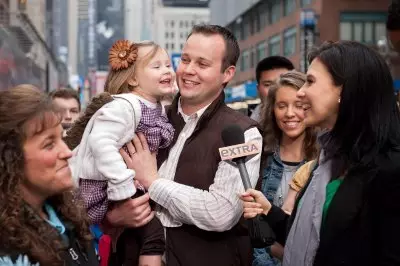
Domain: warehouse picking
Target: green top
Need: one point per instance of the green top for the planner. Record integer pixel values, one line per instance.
(331, 189)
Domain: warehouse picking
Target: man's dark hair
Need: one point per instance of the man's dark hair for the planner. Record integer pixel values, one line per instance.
(232, 50)
(272, 62)
(66, 94)
(393, 19)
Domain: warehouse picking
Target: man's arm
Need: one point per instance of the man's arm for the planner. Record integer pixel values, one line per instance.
(218, 209)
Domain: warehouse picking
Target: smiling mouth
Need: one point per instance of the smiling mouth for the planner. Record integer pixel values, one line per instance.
(62, 168)
(292, 123)
(166, 81)
(189, 82)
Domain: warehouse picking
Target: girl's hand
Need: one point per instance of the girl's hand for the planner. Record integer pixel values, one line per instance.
(254, 202)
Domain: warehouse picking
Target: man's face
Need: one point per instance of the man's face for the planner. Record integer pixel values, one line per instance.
(199, 74)
(268, 78)
(70, 110)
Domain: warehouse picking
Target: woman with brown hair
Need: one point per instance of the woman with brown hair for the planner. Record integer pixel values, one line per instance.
(288, 144)
(41, 222)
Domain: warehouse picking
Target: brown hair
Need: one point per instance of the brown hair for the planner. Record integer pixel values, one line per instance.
(117, 80)
(232, 50)
(272, 134)
(22, 231)
(66, 94)
(75, 133)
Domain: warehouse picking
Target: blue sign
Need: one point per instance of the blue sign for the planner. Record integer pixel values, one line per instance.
(396, 85)
(176, 59)
(242, 92)
(307, 18)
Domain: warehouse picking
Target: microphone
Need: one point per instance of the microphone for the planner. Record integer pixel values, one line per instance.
(261, 234)
(237, 150)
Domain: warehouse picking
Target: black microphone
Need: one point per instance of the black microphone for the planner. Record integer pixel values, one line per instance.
(260, 232)
(233, 135)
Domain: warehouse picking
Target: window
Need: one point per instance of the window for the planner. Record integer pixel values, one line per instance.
(181, 46)
(172, 35)
(264, 15)
(256, 21)
(167, 46)
(252, 58)
(172, 46)
(261, 54)
(181, 24)
(172, 23)
(275, 11)
(166, 35)
(305, 2)
(274, 45)
(245, 60)
(362, 27)
(289, 41)
(246, 29)
(238, 31)
(181, 35)
(186, 24)
(288, 6)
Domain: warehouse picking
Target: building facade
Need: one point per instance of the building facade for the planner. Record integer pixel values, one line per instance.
(223, 12)
(273, 27)
(173, 21)
(25, 54)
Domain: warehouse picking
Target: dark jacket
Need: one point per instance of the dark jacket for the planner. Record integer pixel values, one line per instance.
(197, 166)
(362, 222)
(74, 253)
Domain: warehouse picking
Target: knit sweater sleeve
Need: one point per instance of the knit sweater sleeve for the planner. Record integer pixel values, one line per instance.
(109, 128)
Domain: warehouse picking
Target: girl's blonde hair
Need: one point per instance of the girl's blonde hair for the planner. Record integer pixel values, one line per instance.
(118, 80)
(121, 71)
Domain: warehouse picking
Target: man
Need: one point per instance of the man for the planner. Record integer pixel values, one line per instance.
(196, 192)
(68, 101)
(267, 71)
(393, 25)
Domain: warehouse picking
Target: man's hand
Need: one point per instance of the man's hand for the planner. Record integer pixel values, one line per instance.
(141, 160)
(130, 213)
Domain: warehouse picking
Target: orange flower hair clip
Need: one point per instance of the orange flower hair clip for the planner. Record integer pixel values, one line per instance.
(122, 54)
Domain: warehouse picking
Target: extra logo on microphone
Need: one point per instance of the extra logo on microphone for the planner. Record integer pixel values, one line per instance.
(240, 150)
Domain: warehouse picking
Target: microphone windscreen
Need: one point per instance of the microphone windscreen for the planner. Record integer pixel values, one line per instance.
(232, 135)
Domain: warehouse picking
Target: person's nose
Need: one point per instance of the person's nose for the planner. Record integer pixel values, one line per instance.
(290, 112)
(301, 93)
(67, 115)
(65, 152)
(189, 69)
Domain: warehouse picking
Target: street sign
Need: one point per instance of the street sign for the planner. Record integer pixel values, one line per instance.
(307, 18)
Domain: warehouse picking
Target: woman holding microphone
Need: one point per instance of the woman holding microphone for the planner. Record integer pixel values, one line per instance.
(349, 210)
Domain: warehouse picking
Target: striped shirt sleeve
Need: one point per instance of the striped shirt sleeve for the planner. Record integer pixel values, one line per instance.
(217, 209)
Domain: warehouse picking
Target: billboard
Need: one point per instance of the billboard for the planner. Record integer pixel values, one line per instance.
(109, 28)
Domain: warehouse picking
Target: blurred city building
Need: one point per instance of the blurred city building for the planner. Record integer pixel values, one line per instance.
(27, 52)
(291, 27)
(174, 20)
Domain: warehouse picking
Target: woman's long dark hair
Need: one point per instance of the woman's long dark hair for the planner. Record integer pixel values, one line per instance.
(21, 230)
(368, 120)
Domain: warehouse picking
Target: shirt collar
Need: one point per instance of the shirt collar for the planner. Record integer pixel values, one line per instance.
(195, 115)
(53, 219)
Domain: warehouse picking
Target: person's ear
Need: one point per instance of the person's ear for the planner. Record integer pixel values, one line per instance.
(229, 73)
(133, 82)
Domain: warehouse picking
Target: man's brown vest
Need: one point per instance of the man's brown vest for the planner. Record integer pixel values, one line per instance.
(198, 163)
